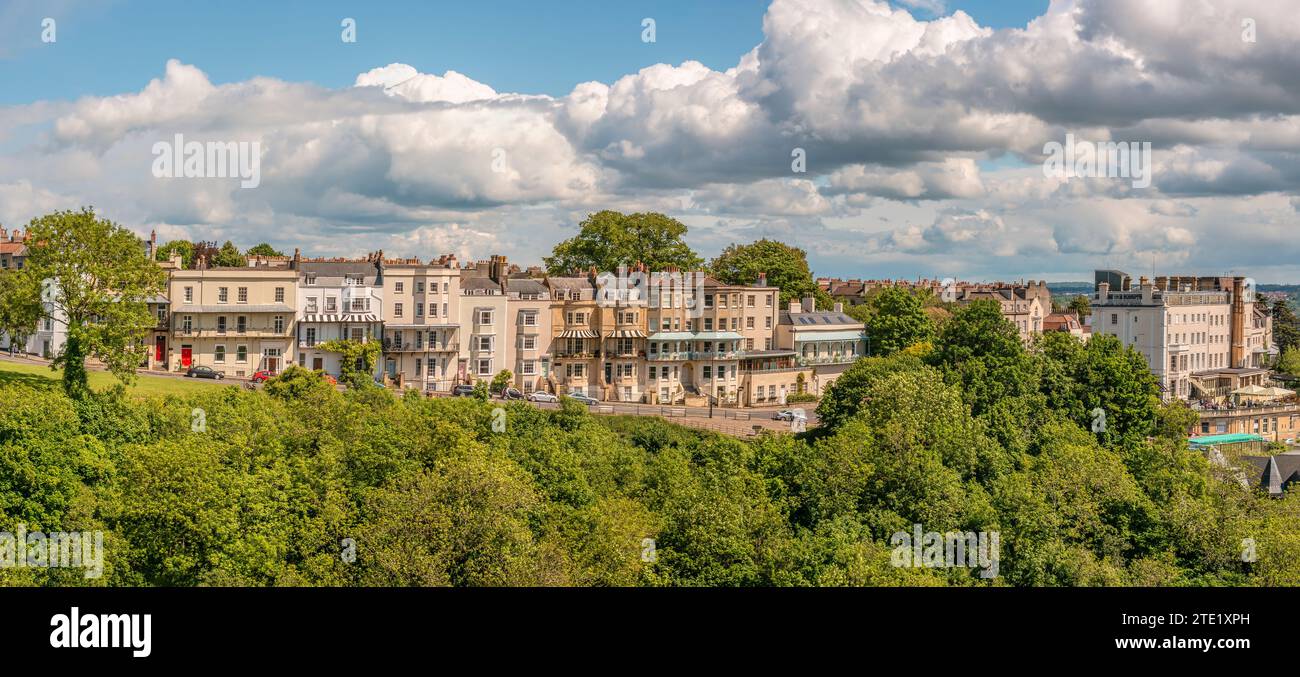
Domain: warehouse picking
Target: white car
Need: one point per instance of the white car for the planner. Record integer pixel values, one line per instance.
(539, 396)
(790, 415)
(585, 399)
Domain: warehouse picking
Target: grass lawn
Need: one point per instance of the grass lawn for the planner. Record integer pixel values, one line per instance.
(39, 374)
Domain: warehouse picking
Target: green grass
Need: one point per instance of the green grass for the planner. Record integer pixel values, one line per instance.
(41, 375)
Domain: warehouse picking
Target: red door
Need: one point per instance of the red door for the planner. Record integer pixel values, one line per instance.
(186, 353)
(159, 348)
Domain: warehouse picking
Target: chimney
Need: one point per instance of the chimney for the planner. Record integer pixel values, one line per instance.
(297, 258)
(1103, 291)
(762, 279)
(839, 307)
(3, 234)
(1237, 349)
(809, 304)
(795, 307)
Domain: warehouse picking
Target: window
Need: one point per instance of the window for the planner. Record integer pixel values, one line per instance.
(223, 294)
(311, 336)
(529, 343)
(311, 279)
(485, 367)
(529, 319)
(708, 324)
(417, 366)
(708, 300)
(1114, 318)
(419, 310)
(749, 322)
(358, 333)
(353, 280)
(768, 298)
(241, 324)
(767, 322)
(749, 344)
(221, 324)
(528, 368)
(397, 310)
(419, 287)
(708, 371)
(279, 324)
(433, 310)
(189, 294)
(419, 340)
(652, 373)
(444, 287)
(279, 294)
(360, 305)
(485, 344)
(241, 354)
(397, 287)
(331, 304)
(219, 354)
(750, 301)
(187, 323)
(485, 317)
(241, 295)
(444, 310)
(311, 304)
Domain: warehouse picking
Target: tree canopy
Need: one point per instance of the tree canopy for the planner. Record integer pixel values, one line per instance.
(609, 239)
(263, 249)
(785, 266)
(897, 320)
(93, 275)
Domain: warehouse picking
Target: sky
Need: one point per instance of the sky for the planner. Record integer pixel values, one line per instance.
(886, 139)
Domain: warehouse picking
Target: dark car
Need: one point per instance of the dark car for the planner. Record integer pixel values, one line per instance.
(203, 372)
(462, 390)
(511, 394)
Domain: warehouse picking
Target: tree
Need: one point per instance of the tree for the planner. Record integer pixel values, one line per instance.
(264, 249)
(1081, 306)
(1286, 327)
(1289, 362)
(785, 266)
(183, 247)
(229, 257)
(93, 275)
(898, 320)
(608, 239)
(357, 360)
(501, 380)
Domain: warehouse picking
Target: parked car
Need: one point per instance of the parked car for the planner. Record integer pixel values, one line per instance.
(541, 396)
(462, 390)
(585, 399)
(790, 415)
(511, 394)
(262, 375)
(203, 372)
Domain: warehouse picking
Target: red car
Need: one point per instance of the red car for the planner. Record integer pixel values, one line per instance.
(262, 375)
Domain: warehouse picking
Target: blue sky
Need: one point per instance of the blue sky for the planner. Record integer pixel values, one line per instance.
(526, 46)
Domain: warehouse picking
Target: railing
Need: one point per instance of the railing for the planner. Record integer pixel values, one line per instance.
(410, 347)
(582, 354)
(1206, 412)
(828, 359)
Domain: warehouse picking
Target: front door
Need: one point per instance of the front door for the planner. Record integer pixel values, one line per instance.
(159, 348)
(273, 364)
(317, 363)
(187, 354)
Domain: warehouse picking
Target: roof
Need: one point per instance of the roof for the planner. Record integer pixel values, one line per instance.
(580, 283)
(525, 286)
(17, 248)
(823, 318)
(338, 269)
(1276, 473)
(478, 284)
(1233, 438)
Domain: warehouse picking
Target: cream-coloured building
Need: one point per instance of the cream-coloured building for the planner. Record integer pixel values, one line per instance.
(422, 323)
(1191, 330)
(338, 299)
(236, 320)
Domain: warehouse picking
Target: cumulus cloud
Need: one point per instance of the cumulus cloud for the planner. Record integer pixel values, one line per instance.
(936, 124)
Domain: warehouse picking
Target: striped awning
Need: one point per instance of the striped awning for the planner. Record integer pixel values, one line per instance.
(578, 333)
(340, 317)
(626, 333)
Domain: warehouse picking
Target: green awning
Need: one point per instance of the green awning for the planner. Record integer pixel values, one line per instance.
(1234, 438)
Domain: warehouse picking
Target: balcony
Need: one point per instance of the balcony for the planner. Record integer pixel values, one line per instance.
(412, 347)
(827, 359)
(669, 357)
(574, 355)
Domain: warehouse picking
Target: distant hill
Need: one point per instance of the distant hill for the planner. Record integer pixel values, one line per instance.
(1069, 288)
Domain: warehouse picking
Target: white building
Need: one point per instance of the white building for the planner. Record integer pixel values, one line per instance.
(338, 300)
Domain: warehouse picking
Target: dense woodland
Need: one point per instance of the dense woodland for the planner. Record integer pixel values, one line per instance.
(963, 430)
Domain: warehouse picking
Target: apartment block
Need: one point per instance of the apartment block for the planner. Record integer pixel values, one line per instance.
(422, 323)
(236, 320)
(338, 299)
(1196, 333)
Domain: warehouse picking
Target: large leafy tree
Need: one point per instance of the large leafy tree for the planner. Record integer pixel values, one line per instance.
(264, 249)
(92, 274)
(1286, 327)
(610, 239)
(898, 320)
(183, 247)
(785, 266)
(229, 256)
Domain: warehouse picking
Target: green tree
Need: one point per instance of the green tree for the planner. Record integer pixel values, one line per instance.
(357, 360)
(1081, 306)
(229, 257)
(264, 249)
(183, 247)
(1286, 327)
(93, 275)
(608, 239)
(501, 380)
(1289, 362)
(786, 267)
(898, 321)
